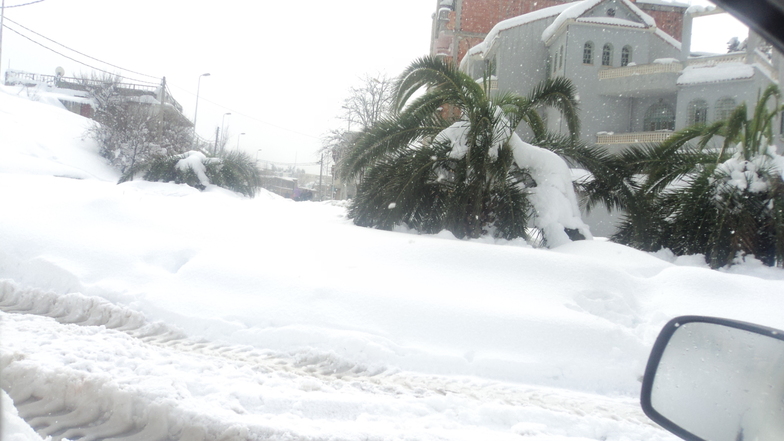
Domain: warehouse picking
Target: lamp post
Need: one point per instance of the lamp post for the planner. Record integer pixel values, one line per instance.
(257, 157)
(223, 133)
(238, 140)
(196, 112)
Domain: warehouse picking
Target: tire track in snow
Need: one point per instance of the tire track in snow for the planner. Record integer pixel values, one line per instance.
(94, 408)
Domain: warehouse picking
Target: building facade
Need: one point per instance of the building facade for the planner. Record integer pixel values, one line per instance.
(459, 25)
(636, 83)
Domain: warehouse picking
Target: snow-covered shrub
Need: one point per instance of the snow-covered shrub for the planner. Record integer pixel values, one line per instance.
(235, 171)
(130, 129)
(723, 201)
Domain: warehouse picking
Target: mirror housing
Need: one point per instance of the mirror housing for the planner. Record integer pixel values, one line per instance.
(712, 379)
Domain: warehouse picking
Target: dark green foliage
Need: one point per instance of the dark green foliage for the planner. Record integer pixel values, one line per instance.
(412, 175)
(723, 201)
(235, 171)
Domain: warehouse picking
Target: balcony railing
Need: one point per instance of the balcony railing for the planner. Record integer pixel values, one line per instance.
(632, 138)
(642, 69)
(14, 77)
(737, 57)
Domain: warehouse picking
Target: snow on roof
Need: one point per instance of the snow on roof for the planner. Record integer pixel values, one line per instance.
(664, 3)
(714, 74)
(514, 22)
(610, 21)
(579, 8)
(699, 9)
(668, 38)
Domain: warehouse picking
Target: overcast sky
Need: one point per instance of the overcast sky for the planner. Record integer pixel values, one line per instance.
(281, 68)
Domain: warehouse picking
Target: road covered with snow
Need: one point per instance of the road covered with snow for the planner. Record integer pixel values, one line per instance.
(153, 311)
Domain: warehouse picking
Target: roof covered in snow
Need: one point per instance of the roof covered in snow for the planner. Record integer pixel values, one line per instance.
(714, 74)
(665, 3)
(577, 10)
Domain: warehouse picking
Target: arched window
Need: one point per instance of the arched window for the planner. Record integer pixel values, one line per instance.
(626, 55)
(607, 55)
(698, 112)
(724, 107)
(659, 117)
(588, 53)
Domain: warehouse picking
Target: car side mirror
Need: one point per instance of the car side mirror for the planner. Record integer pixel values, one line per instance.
(711, 379)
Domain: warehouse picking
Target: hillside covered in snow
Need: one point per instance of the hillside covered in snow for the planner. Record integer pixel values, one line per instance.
(154, 311)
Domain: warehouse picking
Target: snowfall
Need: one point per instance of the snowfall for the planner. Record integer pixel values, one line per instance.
(154, 311)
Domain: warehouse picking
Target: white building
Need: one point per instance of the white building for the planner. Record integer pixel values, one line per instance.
(636, 84)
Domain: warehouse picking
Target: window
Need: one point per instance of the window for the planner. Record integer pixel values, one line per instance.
(560, 59)
(698, 112)
(724, 107)
(659, 117)
(588, 53)
(611, 12)
(607, 55)
(626, 55)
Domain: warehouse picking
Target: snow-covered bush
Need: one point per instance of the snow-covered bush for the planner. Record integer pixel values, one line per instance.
(235, 171)
(130, 129)
(450, 159)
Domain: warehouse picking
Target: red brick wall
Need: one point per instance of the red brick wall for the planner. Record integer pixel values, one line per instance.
(669, 22)
(479, 16)
(465, 44)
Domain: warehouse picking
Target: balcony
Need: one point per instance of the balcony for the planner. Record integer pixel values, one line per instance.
(632, 138)
(659, 79)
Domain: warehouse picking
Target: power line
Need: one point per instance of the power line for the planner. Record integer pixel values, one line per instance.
(23, 4)
(71, 58)
(131, 71)
(80, 53)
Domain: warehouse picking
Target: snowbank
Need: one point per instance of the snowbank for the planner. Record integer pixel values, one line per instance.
(150, 310)
(48, 140)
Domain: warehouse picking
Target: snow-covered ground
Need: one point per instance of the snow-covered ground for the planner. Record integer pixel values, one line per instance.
(152, 311)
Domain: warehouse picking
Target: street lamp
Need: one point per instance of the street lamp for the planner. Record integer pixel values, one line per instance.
(196, 112)
(238, 140)
(223, 134)
(257, 157)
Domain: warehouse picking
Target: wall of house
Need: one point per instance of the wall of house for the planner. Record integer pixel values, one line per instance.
(741, 90)
(660, 48)
(521, 57)
(616, 113)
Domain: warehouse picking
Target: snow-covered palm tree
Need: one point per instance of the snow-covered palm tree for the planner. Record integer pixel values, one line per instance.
(450, 158)
(720, 199)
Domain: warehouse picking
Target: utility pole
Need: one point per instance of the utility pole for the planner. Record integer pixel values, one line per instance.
(321, 173)
(160, 111)
(2, 16)
(217, 133)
